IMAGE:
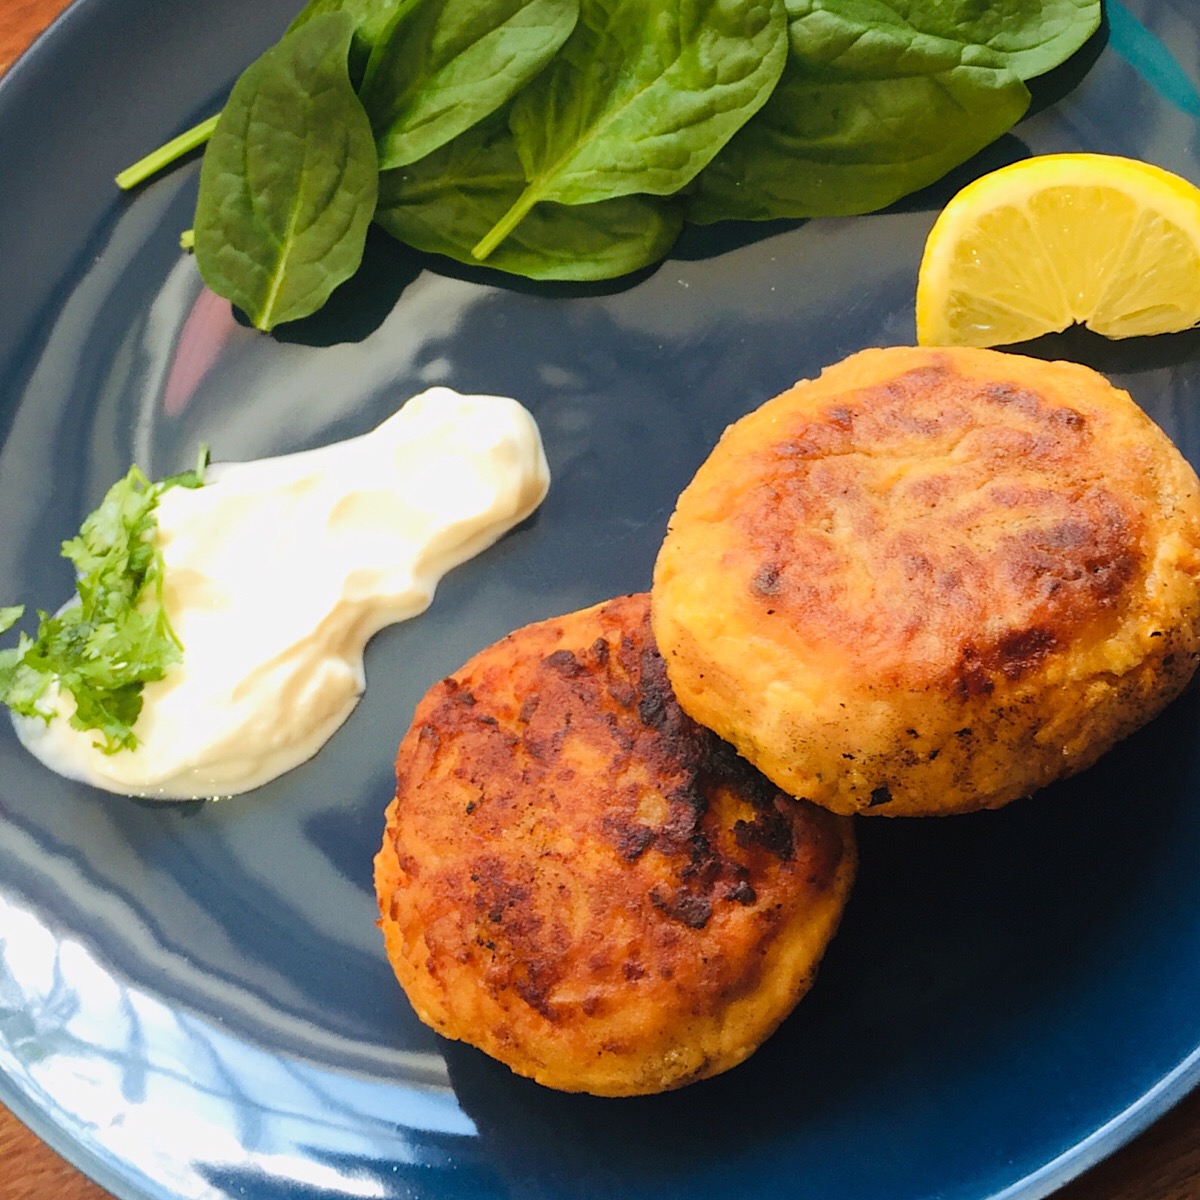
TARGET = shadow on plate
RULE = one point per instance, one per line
(1054, 85)
(964, 951)
(361, 305)
(1109, 357)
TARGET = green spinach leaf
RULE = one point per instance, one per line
(861, 117)
(446, 202)
(443, 66)
(640, 98)
(289, 179)
(1030, 36)
(371, 19)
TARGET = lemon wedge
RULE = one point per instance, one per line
(1108, 242)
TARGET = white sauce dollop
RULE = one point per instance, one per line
(279, 571)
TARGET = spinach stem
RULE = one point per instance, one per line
(166, 154)
(507, 223)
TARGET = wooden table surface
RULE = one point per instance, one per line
(1162, 1164)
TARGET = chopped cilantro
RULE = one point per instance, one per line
(115, 637)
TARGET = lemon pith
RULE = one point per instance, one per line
(1109, 242)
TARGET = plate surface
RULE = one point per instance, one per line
(194, 1000)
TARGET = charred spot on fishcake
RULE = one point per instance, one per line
(1021, 650)
(1080, 561)
(629, 655)
(624, 737)
(740, 892)
(631, 838)
(495, 891)
(683, 906)
(972, 677)
(651, 709)
(1059, 418)
(705, 766)
(565, 662)
(545, 746)
(1011, 655)
(769, 829)
(533, 986)
(766, 580)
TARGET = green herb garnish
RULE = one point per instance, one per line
(115, 637)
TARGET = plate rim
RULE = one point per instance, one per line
(1099, 1145)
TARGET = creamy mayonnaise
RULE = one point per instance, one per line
(279, 571)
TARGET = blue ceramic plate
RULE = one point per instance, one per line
(194, 1001)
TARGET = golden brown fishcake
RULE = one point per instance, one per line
(932, 581)
(581, 881)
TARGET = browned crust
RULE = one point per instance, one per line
(945, 533)
(583, 882)
(963, 499)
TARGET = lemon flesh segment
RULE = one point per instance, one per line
(1048, 242)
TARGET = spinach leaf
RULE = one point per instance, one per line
(870, 37)
(1031, 36)
(371, 17)
(289, 180)
(441, 67)
(447, 201)
(859, 121)
(640, 98)
(882, 97)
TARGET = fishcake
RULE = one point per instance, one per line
(932, 581)
(584, 883)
